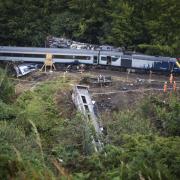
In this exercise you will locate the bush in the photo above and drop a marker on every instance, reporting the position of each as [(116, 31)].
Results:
[(7, 88), (127, 122), (164, 114), (7, 112), (139, 157)]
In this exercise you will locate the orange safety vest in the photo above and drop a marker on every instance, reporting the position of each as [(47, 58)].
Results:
[(165, 87), (171, 79), (174, 86)]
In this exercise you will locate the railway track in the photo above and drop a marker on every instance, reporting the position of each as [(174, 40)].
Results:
[(134, 90)]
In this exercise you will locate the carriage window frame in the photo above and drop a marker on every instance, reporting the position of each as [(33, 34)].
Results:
[(6, 54), (86, 108), (114, 59), (103, 58), (23, 55), (61, 56), (95, 59), (84, 99), (26, 55), (83, 57)]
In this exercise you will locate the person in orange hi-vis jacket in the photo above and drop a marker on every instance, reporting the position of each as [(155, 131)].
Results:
[(174, 86), (165, 87), (171, 78)]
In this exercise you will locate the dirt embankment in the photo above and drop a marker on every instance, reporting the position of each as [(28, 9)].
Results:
[(126, 90), (66, 108)]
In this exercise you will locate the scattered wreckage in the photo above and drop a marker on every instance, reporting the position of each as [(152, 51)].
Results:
[(55, 42), (99, 80), (87, 107), (24, 69)]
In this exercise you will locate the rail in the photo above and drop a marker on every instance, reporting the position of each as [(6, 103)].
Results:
[(132, 90)]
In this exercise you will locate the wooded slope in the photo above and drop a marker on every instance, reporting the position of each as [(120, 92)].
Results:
[(150, 26)]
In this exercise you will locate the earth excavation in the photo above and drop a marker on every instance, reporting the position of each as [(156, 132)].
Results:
[(120, 90), (109, 91)]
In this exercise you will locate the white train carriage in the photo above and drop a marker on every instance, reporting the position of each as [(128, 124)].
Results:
[(110, 58), (67, 56), (90, 57), (22, 54)]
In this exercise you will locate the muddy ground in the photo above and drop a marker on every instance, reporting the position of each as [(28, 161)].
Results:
[(125, 91)]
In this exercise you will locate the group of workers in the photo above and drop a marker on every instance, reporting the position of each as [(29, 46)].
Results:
[(172, 83)]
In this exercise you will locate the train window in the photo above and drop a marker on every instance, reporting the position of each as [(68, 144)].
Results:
[(103, 58), (83, 57), (95, 59), (72, 57), (86, 108), (114, 58), (84, 99), (16, 55), (5, 54), (35, 55), (63, 57), (43, 56), (23, 55)]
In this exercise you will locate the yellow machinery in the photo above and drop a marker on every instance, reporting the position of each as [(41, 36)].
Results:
[(178, 64), (48, 63)]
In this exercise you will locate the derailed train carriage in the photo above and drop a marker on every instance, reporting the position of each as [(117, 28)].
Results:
[(140, 62), (91, 57)]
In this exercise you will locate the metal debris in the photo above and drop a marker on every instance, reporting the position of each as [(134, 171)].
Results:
[(85, 105), (24, 69)]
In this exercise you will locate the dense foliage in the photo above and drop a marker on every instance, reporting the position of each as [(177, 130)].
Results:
[(150, 26), (6, 87)]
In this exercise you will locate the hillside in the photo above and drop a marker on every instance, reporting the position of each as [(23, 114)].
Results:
[(42, 136), (125, 123), (150, 26)]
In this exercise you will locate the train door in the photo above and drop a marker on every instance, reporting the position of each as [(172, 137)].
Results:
[(171, 66), (103, 60), (109, 60), (95, 60)]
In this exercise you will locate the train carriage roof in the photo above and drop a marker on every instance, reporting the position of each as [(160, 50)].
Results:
[(153, 58), (111, 53)]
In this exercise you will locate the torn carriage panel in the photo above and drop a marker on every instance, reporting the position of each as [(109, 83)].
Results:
[(24, 69)]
